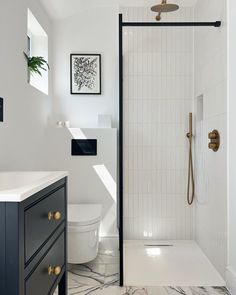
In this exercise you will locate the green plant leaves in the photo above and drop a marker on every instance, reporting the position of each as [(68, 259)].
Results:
[(36, 64)]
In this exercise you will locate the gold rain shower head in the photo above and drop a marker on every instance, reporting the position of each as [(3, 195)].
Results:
[(164, 7)]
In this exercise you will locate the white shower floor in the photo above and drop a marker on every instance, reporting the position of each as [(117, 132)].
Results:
[(183, 264)]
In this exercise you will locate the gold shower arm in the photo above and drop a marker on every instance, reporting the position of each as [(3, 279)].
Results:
[(158, 17)]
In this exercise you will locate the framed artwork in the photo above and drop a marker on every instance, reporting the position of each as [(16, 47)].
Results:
[(85, 74)]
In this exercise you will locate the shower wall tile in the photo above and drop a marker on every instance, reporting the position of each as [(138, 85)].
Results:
[(158, 94), (210, 50)]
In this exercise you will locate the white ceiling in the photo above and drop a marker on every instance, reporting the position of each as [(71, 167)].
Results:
[(58, 9)]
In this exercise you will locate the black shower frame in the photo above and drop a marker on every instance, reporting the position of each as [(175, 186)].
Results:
[(122, 24)]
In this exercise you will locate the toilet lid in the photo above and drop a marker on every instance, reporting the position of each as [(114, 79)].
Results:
[(84, 214)]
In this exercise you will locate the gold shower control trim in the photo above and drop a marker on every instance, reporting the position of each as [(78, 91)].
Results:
[(214, 143)]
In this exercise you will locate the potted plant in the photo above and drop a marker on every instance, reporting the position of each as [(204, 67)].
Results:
[(36, 64)]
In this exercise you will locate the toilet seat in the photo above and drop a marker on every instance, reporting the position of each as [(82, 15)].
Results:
[(84, 215)]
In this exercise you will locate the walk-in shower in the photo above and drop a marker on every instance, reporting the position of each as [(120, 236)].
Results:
[(161, 75)]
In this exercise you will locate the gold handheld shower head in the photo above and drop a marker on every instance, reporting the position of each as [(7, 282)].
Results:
[(164, 7)]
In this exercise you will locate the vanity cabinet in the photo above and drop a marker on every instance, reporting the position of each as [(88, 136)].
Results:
[(33, 239)]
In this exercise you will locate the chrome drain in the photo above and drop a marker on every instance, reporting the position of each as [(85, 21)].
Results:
[(159, 245)]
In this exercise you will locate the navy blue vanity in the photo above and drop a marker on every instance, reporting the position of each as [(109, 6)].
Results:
[(33, 240)]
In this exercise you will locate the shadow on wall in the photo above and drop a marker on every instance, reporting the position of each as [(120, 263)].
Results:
[(93, 179)]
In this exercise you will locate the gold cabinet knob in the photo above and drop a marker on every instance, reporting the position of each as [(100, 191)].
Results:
[(54, 215), (54, 270), (57, 215)]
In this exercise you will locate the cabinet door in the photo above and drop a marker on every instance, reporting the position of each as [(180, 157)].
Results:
[(41, 282), (38, 227)]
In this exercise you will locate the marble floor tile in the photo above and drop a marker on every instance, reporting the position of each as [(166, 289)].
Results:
[(110, 290), (91, 275), (76, 288), (187, 291), (100, 276), (111, 275), (197, 290), (157, 291)]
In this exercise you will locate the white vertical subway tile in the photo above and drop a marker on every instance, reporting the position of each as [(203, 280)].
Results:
[(210, 52), (158, 72)]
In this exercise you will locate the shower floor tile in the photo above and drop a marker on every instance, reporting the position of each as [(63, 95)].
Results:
[(182, 264)]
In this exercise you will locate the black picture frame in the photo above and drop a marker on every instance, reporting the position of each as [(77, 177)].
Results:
[(98, 77)]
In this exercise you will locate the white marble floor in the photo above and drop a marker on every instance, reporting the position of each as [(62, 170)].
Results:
[(181, 264), (114, 290), (96, 277), (99, 274)]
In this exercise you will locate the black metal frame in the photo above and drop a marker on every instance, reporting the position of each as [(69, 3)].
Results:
[(121, 238), (1, 109), (122, 24), (216, 24)]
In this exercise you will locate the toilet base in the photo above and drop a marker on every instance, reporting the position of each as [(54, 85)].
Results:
[(82, 246)]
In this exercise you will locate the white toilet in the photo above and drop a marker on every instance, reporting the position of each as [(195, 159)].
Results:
[(83, 232)]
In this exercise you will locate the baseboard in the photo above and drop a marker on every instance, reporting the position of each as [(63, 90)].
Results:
[(231, 280)]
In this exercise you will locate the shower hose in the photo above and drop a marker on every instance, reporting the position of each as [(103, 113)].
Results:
[(190, 193)]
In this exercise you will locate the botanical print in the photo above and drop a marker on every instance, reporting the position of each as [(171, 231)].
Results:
[(85, 74)]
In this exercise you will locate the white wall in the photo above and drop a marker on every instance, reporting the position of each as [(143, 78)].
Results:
[(23, 144), (91, 179), (231, 270), (211, 168), (91, 31), (158, 89)]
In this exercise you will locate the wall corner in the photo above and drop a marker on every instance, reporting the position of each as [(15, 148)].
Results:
[(231, 280)]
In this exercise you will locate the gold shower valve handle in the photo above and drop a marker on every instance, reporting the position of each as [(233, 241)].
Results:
[(54, 216), (54, 270), (212, 146), (214, 137)]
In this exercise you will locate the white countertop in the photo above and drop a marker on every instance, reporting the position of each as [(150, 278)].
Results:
[(18, 186)]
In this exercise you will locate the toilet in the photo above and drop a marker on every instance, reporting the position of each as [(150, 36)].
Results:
[(83, 232)]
